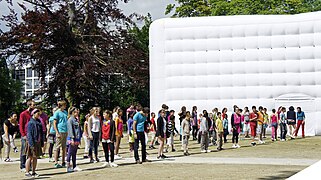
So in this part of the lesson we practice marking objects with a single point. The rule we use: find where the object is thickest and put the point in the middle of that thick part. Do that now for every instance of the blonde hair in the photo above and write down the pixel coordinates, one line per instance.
(71, 110)
(62, 103)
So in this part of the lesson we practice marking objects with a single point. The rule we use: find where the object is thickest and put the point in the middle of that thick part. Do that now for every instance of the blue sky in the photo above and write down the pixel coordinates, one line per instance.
(155, 7)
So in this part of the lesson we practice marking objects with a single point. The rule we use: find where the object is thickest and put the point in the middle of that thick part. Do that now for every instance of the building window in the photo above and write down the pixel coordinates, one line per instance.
(28, 94)
(36, 85)
(20, 74)
(29, 84)
(29, 72)
(36, 74)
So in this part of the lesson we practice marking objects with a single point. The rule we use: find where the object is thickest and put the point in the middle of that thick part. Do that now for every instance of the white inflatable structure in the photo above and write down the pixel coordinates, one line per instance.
(262, 60)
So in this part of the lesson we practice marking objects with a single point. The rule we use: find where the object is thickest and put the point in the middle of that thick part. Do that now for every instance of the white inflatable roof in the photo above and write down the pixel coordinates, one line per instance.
(267, 60)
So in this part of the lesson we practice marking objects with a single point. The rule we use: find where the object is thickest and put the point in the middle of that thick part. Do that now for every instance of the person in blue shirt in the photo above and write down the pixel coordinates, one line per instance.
(131, 139)
(300, 116)
(138, 128)
(61, 129)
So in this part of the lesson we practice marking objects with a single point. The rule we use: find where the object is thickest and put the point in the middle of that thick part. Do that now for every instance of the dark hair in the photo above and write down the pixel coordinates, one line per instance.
(164, 106)
(253, 107)
(171, 111)
(224, 110)
(299, 108)
(260, 108)
(12, 113)
(183, 108)
(145, 110)
(109, 113)
(218, 113)
(291, 108)
(273, 110)
(241, 110)
(283, 108)
(152, 113)
(194, 108)
(29, 102)
(172, 117)
(265, 109)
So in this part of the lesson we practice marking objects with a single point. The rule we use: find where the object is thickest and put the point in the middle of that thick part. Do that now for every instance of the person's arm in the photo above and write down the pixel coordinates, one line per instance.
(113, 131)
(30, 134)
(89, 127)
(134, 129)
(70, 129)
(22, 126)
(6, 132)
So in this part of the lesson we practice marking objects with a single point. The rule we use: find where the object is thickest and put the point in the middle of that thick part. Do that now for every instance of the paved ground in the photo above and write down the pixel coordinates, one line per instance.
(273, 160)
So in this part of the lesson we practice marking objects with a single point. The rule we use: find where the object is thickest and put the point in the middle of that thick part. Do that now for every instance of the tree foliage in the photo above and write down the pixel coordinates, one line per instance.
(191, 8)
(10, 90)
(82, 43)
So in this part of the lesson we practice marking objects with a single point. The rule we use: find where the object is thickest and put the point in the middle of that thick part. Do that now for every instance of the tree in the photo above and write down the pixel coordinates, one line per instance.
(81, 42)
(10, 90)
(241, 7)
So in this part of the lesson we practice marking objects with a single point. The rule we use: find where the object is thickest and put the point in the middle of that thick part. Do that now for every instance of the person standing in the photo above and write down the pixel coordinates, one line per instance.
(108, 138)
(10, 127)
(23, 121)
(274, 124)
(186, 128)
(220, 131)
(131, 139)
(152, 131)
(301, 121)
(73, 139)
(246, 122)
(283, 127)
(44, 121)
(253, 124)
(291, 119)
(236, 127)
(52, 136)
(93, 131)
(34, 142)
(194, 122)
(204, 129)
(138, 126)
(266, 121)
(161, 133)
(119, 132)
(259, 128)
(61, 129)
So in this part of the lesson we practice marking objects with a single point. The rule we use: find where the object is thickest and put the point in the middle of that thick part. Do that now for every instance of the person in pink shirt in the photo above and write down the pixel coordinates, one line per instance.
(274, 125)
(236, 127)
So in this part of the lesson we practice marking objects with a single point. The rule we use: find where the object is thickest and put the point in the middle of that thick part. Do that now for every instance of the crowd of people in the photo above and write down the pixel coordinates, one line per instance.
(64, 133)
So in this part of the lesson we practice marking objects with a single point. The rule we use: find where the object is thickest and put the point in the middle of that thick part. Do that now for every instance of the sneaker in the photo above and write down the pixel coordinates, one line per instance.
(77, 169)
(208, 151)
(165, 151)
(97, 160)
(282, 139)
(261, 142)
(23, 170)
(28, 175)
(173, 150)
(85, 157)
(238, 146)
(7, 160)
(58, 165)
(51, 160)
(147, 160)
(163, 156)
(234, 146)
(113, 165)
(105, 164)
(117, 156)
(185, 154)
(159, 157)
(156, 143)
(69, 169)
(253, 143)
(15, 150)
(35, 175)
(63, 164)
(203, 151)
(91, 161)
(138, 162)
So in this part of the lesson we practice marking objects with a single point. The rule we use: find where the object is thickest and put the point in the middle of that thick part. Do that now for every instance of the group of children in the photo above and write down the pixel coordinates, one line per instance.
(64, 132)
(213, 128)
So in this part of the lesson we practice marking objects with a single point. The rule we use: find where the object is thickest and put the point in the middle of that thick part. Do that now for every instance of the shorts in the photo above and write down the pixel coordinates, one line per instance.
(36, 152)
(152, 134)
(170, 140)
(61, 141)
(246, 127)
(52, 138)
(131, 138)
(44, 136)
(185, 139)
(259, 129)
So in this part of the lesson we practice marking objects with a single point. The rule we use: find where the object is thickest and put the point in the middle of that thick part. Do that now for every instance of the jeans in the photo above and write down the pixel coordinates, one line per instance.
(94, 144)
(194, 132)
(72, 152)
(109, 147)
(141, 138)
(235, 137)
(204, 141)
(23, 153)
(300, 122)
(283, 130)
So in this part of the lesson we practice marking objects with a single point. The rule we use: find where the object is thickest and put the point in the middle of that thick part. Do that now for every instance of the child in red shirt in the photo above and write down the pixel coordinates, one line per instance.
(253, 124)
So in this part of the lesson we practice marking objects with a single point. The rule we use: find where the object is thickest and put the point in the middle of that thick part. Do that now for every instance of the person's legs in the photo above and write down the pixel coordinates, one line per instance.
(63, 147)
(203, 141)
(44, 148)
(233, 137)
(142, 141)
(75, 149)
(297, 128)
(27, 165)
(23, 154)
(96, 143)
(273, 132)
(91, 143)
(111, 149)
(161, 146)
(136, 146)
(51, 145)
(276, 132)
(34, 164)
(236, 137)
(6, 148)
(117, 144)
(206, 141)
(86, 145)
(303, 123)
(105, 148)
